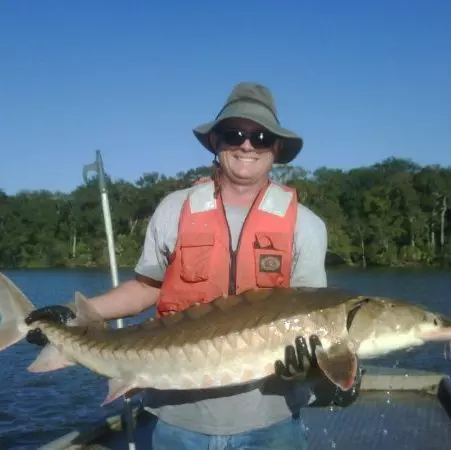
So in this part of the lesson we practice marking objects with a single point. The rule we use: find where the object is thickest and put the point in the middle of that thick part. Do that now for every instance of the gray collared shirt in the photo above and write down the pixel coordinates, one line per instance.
(229, 411)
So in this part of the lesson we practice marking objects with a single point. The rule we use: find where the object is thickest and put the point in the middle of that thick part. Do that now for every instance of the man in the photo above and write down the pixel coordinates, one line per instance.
(221, 237)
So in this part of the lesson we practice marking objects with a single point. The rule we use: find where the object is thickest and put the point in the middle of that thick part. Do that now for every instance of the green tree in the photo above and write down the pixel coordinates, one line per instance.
(395, 212)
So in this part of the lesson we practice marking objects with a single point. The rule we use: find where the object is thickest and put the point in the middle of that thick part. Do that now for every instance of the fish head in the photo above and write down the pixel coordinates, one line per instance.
(378, 326)
(436, 327)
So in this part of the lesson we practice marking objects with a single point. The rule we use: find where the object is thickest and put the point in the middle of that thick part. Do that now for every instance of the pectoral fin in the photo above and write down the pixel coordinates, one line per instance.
(339, 364)
(116, 388)
(49, 359)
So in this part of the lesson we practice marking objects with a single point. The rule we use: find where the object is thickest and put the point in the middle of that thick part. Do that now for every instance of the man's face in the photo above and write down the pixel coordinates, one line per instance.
(248, 162)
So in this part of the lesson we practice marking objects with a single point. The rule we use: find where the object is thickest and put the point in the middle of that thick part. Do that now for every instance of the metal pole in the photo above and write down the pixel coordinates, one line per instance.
(97, 166)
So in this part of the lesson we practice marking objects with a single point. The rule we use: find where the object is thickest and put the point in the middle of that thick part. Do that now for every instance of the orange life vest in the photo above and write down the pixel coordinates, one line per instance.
(203, 265)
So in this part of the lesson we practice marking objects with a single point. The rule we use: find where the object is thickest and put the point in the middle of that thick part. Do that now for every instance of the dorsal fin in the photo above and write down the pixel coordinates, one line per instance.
(171, 319)
(256, 295)
(227, 303)
(198, 310)
(151, 323)
(86, 313)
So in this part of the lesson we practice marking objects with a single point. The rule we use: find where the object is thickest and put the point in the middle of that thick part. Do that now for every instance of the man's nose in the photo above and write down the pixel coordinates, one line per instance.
(247, 146)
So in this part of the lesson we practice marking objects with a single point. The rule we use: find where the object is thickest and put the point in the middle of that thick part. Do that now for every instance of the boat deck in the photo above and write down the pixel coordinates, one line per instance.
(411, 421)
(396, 410)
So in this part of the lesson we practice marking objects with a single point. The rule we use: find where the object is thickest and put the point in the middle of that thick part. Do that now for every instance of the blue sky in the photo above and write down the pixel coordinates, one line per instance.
(359, 80)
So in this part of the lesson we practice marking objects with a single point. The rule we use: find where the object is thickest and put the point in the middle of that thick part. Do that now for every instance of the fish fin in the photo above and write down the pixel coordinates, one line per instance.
(86, 313)
(10, 333)
(116, 388)
(339, 364)
(14, 307)
(49, 359)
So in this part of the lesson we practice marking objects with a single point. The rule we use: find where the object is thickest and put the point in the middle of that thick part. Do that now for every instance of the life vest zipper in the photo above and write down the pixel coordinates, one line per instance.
(233, 254)
(232, 273)
(232, 265)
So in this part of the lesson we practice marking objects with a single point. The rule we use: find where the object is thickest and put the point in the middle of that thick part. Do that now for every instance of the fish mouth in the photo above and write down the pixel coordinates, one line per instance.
(436, 328)
(442, 333)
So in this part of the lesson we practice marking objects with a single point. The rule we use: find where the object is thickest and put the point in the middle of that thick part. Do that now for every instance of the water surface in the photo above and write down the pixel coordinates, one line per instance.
(35, 408)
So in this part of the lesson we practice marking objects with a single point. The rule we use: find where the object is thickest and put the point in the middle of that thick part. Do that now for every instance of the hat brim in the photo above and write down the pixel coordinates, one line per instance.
(292, 143)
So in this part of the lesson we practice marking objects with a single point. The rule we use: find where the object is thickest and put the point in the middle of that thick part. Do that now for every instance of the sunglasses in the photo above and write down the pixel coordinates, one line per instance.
(259, 139)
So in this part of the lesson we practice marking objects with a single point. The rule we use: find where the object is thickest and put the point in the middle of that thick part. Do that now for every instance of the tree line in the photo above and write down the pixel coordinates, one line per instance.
(393, 213)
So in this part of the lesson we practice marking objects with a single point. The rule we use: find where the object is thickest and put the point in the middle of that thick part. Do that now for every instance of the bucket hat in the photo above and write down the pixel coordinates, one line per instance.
(255, 102)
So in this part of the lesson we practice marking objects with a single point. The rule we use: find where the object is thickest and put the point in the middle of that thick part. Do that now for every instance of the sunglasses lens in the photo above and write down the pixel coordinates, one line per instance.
(258, 139)
(233, 137)
(262, 139)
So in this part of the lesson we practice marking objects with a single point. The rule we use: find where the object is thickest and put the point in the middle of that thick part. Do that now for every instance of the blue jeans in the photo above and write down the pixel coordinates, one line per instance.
(289, 434)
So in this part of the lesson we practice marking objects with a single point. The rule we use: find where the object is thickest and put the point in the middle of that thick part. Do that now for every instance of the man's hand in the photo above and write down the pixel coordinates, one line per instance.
(55, 313)
(346, 398)
(298, 360)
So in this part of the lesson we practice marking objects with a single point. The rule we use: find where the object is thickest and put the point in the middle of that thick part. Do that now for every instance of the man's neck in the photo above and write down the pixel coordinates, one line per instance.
(240, 195)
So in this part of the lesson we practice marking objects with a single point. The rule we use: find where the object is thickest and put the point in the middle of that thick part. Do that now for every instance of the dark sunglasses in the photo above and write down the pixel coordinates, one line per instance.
(259, 139)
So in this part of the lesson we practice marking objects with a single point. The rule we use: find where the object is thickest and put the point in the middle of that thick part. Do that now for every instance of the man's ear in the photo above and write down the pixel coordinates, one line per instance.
(213, 140)
(277, 147)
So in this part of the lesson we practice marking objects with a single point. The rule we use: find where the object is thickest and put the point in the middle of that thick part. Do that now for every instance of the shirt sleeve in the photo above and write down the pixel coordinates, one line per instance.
(161, 237)
(310, 247)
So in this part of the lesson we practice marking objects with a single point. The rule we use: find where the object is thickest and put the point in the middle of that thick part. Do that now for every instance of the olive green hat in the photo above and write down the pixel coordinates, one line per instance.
(254, 102)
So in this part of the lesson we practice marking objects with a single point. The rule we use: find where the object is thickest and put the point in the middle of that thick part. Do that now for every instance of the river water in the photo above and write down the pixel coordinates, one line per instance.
(36, 408)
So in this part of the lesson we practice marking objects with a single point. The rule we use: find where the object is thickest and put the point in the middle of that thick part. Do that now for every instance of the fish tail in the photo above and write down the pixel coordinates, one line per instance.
(14, 307)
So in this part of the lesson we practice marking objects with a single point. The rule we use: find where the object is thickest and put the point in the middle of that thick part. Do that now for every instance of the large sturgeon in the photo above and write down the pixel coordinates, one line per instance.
(226, 342)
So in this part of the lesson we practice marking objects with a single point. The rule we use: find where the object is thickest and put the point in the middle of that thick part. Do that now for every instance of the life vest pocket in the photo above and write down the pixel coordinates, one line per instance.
(270, 252)
(269, 268)
(196, 254)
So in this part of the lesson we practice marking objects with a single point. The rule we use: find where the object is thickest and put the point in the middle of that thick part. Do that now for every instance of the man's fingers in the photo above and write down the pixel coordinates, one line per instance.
(298, 358)
(36, 337)
(280, 369)
(37, 314)
(302, 352)
(314, 342)
(55, 313)
(291, 360)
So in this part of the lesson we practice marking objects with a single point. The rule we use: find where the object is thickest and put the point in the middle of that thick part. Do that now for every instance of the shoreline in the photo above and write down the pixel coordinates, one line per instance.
(93, 267)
